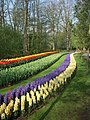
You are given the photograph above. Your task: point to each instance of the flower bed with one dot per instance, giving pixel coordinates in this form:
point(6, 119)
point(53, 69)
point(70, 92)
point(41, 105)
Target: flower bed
point(27, 98)
point(15, 74)
point(21, 60)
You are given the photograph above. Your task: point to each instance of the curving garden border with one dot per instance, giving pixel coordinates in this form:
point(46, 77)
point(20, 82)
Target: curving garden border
point(29, 97)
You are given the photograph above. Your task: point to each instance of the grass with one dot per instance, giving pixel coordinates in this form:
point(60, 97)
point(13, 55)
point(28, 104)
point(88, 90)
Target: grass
point(43, 73)
point(71, 104)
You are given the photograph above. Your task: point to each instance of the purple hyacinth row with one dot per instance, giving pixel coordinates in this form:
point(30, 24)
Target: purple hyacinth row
point(34, 85)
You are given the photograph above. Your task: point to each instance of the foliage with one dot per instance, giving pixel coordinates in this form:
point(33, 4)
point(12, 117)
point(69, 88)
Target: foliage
point(33, 78)
point(36, 92)
point(82, 13)
point(10, 43)
point(71, 103)
point(18, 73)
point(38, 23)
point(7, 63)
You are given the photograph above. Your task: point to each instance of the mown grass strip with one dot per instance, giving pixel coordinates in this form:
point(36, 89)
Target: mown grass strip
point(43, 73)
point(73, 103)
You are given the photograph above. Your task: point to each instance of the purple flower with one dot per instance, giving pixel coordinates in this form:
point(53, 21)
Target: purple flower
point(17, 94)
point(27, 87)
point(23, 92)
point(40, 81)
point(6, 99)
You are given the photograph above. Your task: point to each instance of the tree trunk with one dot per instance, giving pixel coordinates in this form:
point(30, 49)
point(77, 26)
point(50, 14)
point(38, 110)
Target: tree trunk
point(0, 20)
point(3, 21)
point(10, 20)
point(25, 41)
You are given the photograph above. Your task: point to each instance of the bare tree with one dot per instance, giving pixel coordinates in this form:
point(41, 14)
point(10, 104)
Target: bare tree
point(2, 21)
point(25, 41)
point(66, 20)
point(52, 11)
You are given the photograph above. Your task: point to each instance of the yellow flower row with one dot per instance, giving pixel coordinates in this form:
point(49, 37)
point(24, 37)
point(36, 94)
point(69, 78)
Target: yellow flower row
point(41, 93)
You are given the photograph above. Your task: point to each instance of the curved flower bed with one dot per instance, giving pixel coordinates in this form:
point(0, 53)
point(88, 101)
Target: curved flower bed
point(27, 98)
point(22, 72)
point(21, 60)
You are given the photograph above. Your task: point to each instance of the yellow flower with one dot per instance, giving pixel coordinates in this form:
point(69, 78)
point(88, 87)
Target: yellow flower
point(15, 107)
point(2, 116)
point(50, 89)
point(39, 87)
point(38, 96)
point(58, 85)
point(2, 108)
point(44, 96)
point(27, 96)
point(41, 92)
point(34, 100)
point(0, 111)
point(22, 107)
point(30, 102)
point(55, 87)
point(22, 98)
point(34, 89)
point(17, 100)
point(32, 93)
point(7, 110)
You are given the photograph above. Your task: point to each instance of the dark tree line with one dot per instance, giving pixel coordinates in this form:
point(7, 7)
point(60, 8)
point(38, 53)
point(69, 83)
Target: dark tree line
point(33, 26)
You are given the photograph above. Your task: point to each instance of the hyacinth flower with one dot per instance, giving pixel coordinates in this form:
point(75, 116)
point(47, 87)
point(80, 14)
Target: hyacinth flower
point(12, 94)
point(42, 87)
point(16, 108)
point(17, 94)
point(27, 87)
point(23, 103)
point(23, 92)
point(6, 98)
point(44, 79)
point(3, 117)
point(9, 109)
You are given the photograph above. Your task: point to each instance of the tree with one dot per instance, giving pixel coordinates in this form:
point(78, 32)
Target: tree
point(82, 13)
point(2, 20)
point(67, 16)
point(25, 41)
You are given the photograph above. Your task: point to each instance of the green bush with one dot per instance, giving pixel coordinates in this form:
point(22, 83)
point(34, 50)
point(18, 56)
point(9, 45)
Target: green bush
point(10, 43)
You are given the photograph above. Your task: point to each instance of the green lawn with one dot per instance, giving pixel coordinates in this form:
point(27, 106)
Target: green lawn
point(43, 73)
point(71, 104)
